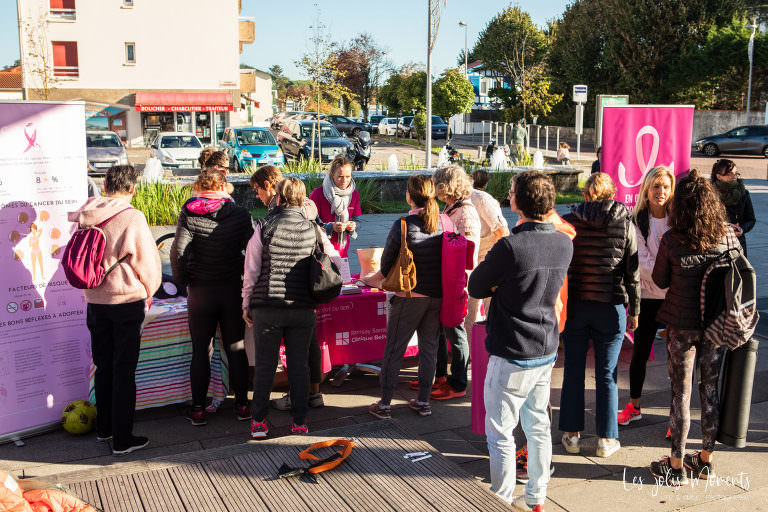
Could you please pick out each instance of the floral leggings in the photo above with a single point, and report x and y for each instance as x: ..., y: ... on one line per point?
x: 682, y: 348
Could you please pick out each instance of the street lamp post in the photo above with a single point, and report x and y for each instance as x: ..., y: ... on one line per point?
x: 750, y: 52
x: 466, y: 68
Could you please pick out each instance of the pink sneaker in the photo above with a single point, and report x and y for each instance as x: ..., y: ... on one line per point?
x: 629, y: 414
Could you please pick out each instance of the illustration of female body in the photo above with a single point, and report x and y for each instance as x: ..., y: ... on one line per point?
x: 36, y: 255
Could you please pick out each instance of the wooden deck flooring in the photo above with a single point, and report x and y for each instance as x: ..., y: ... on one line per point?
x: 242, y: 478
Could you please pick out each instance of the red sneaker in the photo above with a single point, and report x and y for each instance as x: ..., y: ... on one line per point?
x: 629, y: 414
x: 439, y: 381
x: 446, y: 393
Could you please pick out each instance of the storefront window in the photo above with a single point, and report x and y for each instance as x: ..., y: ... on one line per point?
x: 203, y: 127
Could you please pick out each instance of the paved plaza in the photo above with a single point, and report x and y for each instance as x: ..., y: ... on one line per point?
x: 580, y: 482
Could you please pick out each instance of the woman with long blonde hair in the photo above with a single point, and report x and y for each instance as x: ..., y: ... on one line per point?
x: 651, y: 220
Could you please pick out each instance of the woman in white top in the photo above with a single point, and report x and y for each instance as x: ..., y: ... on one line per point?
x: 454, y: 187
x: 651, y: 220
x: 493, y: 226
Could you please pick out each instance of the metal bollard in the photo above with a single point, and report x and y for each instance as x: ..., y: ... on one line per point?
x: 479, y: 152
x: 546, y: 138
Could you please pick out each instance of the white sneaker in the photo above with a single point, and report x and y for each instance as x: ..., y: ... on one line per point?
x: 607, y: 447
x: 571, y: 444
x: 520, y: 504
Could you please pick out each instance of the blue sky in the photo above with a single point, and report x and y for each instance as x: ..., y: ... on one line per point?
x: 399, y: 26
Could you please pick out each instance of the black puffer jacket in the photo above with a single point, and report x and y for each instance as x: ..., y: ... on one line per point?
x: 211, y: 235
x: 743, y: 214
x: 605, y: 265
x: 681, y: 269
x: 427, y: 249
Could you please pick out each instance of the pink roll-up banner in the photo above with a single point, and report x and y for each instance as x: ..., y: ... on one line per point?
x: 637, y: 138
x: 44, y: 343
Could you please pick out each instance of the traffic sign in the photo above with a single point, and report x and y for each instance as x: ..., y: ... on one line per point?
x: 579, y: 93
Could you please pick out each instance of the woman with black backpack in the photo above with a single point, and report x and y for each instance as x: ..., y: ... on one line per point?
x: 698, y: 234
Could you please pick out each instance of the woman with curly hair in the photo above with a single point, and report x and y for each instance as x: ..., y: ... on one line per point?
x: 698, y: 234
x: 738, y: 204
x: 454, y: 187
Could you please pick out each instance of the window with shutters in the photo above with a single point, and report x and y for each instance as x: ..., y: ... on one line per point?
x: 62, y: 9
x: 65, y: 59
x: 130, y: 53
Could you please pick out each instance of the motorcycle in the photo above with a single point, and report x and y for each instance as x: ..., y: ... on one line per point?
x: 453, y: 154
x: 360, y: 152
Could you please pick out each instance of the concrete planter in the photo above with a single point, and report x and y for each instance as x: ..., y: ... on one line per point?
x: 393, y: 184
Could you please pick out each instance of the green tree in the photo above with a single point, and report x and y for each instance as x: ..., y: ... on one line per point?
x: 713, y: 75
x: 389, y: 93
x: 452, y: 94
x: 420, y: 124
x: 511, y: 45
x: 412, y: 91
x: 635, y: 48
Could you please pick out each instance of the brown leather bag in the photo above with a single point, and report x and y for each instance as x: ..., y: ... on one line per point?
x: 402, y: 275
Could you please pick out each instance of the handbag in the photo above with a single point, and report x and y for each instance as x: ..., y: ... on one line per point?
x: 324, y: 276
x: 402, y: 276
x: 457, y: 258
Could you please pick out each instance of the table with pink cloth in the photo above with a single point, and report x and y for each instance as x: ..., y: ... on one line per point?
x: 353, y: 329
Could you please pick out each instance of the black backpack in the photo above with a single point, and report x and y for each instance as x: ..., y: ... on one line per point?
x: 324, y: 276
x: 729, y: 298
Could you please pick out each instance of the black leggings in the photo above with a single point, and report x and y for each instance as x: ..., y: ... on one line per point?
x: 641, y: 350
x: 315, y: 372
x: 211, y: 307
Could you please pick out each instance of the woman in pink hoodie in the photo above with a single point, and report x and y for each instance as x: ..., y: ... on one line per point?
x: 116, y: 307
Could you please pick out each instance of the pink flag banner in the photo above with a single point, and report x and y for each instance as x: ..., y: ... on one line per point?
x: 637, y: 138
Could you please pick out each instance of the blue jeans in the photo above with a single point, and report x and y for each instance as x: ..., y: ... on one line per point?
x: 605, y: 325
x: 513, y: 393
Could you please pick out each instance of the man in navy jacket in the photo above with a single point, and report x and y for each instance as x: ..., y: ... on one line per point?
x: 523, y: 273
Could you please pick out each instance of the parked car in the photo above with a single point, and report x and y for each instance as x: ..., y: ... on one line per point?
x: 251, y: 146
x: 744, y: 139
x: 404, y: 126
x: 387, y: 126
x: 347, y: 125
x: 439, y: 128
x: 176, y: 149
x: 104, y: 149
x: 296, y: 141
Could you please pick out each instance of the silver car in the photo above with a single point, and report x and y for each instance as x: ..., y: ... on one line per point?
x: 744, y: 139
x: 104, y: 149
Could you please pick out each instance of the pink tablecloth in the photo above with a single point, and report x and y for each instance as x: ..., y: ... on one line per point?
x: 479, y: 357
x: 353, y: 329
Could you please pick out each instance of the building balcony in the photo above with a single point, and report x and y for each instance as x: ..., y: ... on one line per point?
x: 66, y: 71
x: 246, y: 31
x: 62, y: 14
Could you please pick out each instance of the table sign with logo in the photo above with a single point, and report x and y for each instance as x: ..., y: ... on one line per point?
x: 44, y: 342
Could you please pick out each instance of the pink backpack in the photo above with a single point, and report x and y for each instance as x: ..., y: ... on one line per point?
x: 458, y: 255
x: 82, y: 260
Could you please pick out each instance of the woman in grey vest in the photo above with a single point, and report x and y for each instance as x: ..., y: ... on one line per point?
x: 278, y: 304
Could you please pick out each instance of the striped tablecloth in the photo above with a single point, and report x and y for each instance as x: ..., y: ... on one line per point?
x: 162, y: 374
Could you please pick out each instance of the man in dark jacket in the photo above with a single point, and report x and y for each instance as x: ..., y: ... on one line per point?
x: 523, y: 272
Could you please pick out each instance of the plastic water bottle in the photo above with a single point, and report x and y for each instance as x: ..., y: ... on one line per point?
x: 392, y: 163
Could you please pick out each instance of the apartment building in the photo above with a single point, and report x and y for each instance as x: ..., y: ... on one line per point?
x: 141, y: 66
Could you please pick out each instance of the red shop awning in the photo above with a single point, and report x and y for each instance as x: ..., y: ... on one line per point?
x: 183, y: 101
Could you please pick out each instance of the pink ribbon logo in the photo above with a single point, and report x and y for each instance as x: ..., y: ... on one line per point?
x: 31, y: 137
x: 644, y: 166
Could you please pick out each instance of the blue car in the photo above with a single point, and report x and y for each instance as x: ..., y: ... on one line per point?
x: 251, y: 146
